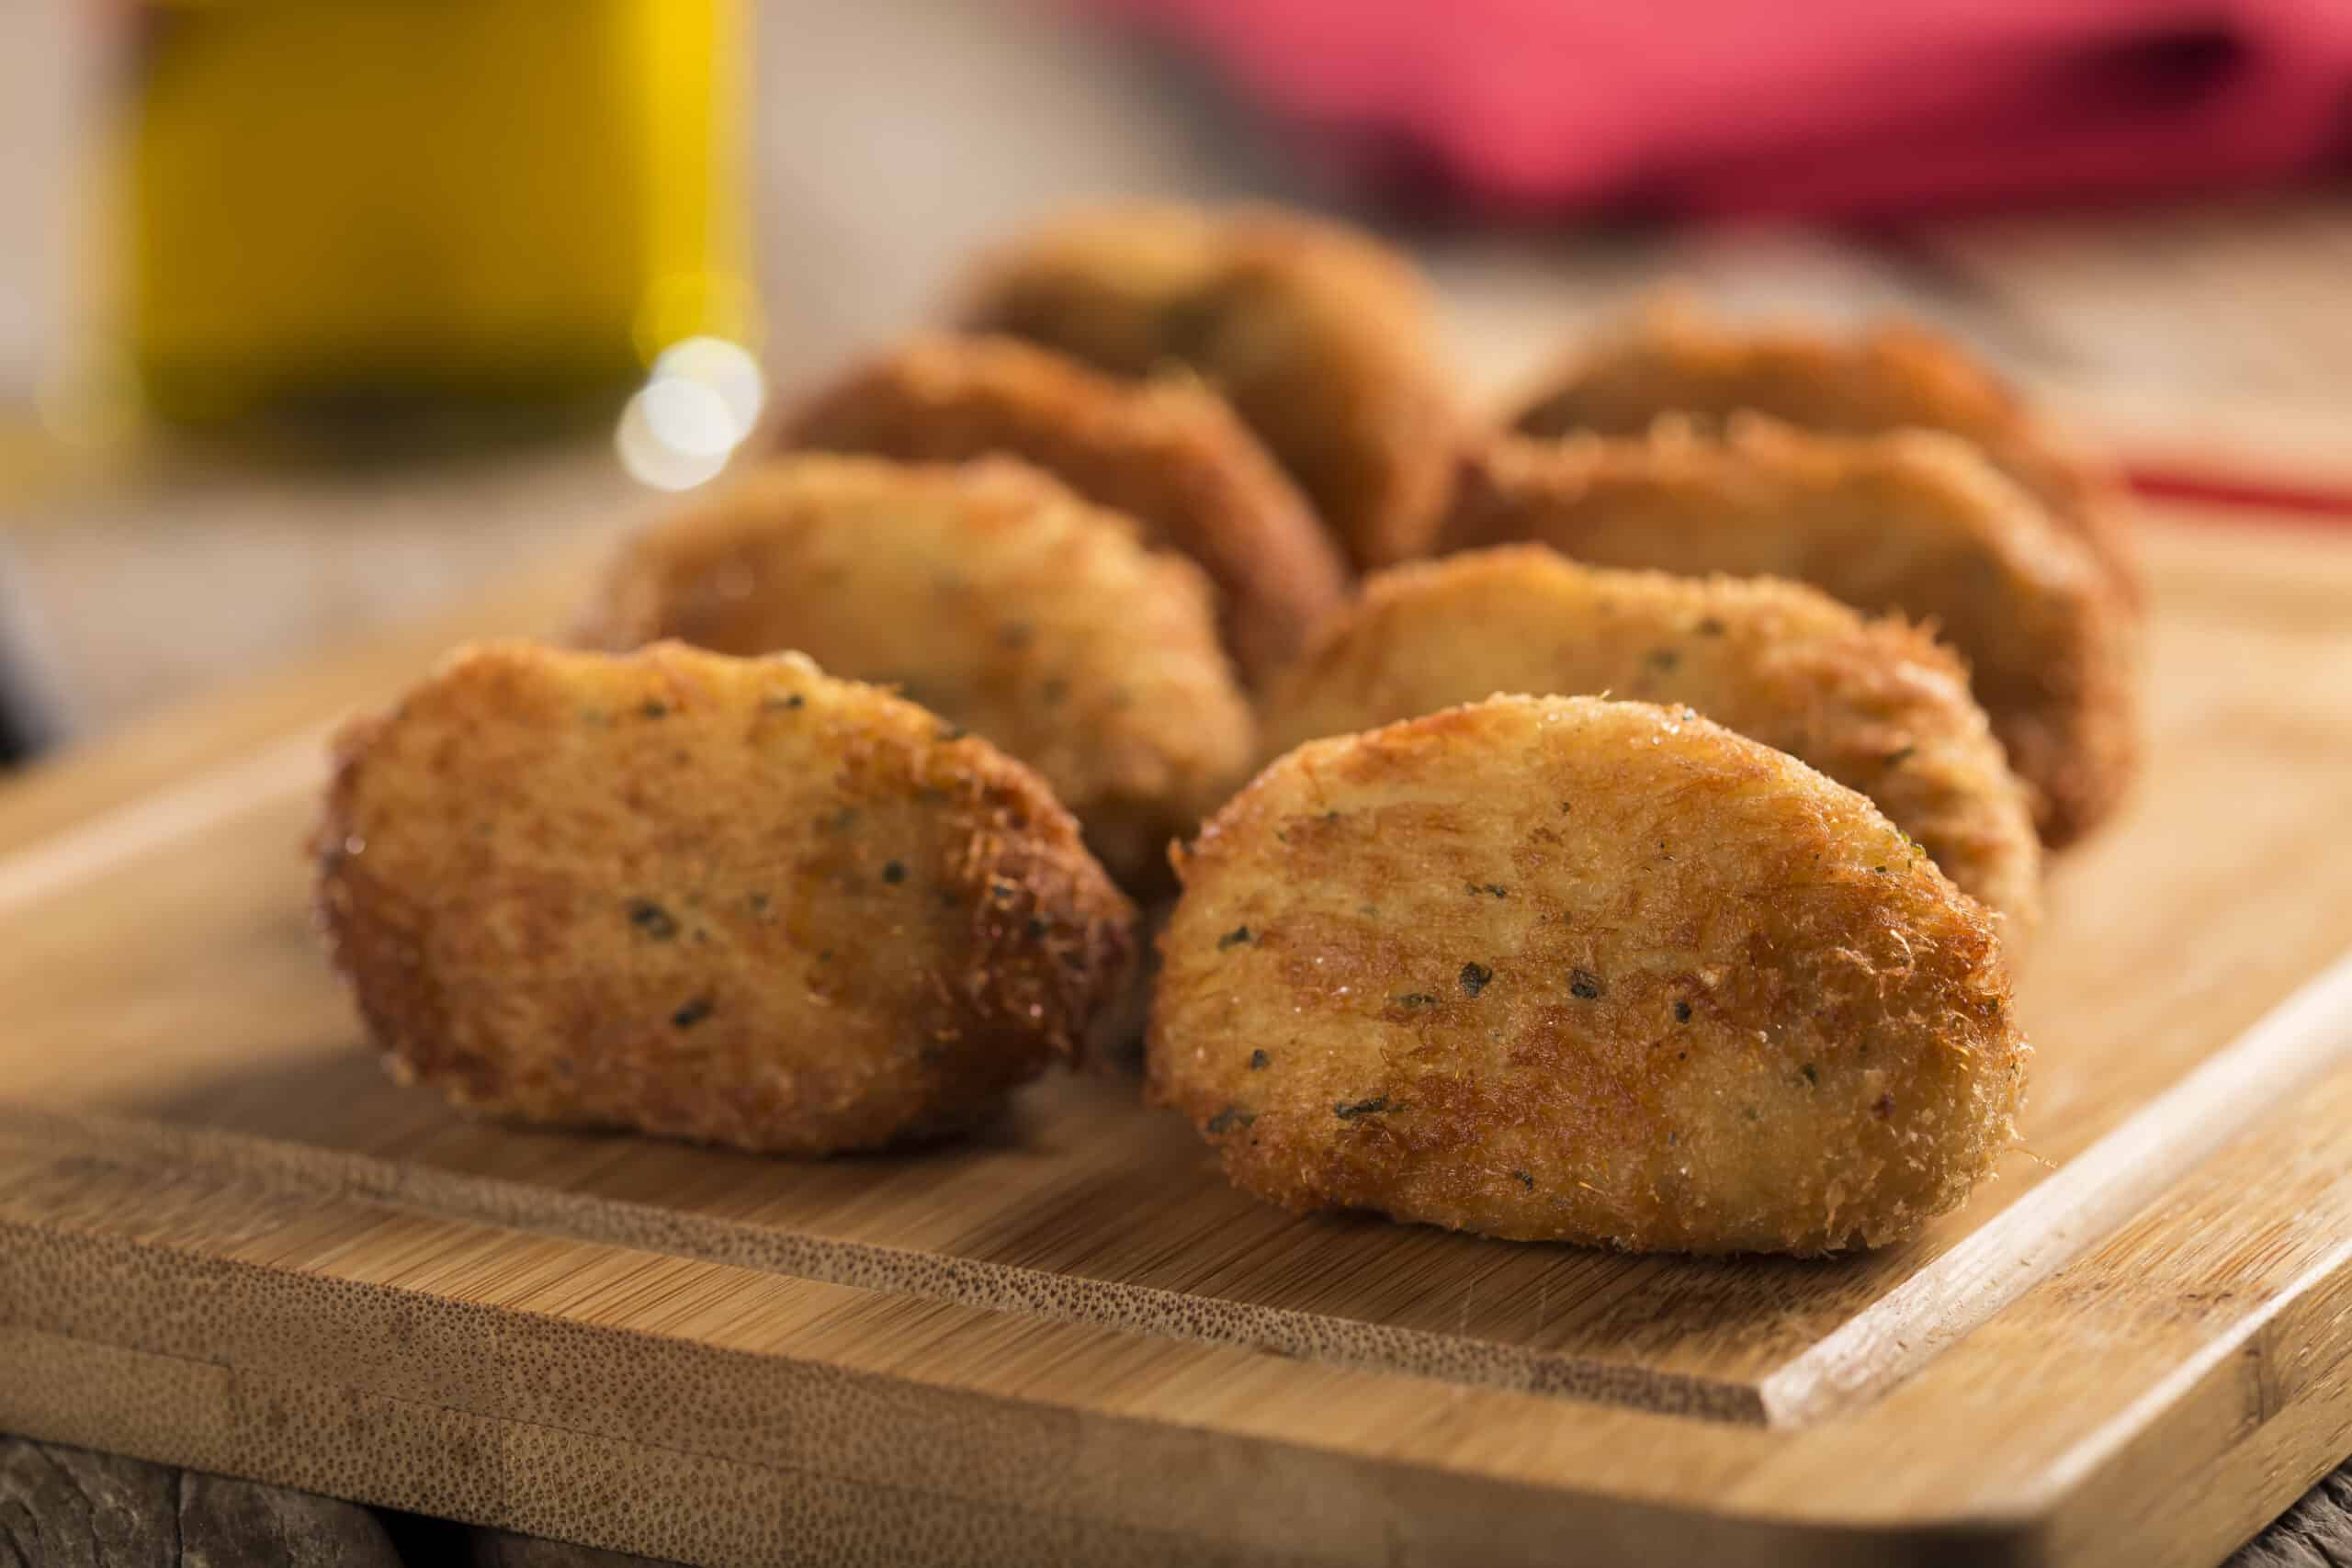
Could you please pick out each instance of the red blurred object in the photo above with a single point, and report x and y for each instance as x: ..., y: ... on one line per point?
x: 2199, y: 487
x: 1836, y: 108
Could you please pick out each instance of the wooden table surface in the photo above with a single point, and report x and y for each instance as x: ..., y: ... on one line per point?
x: 2217, y: 334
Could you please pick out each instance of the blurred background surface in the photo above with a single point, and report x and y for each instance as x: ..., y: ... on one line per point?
x: 2139, y: 209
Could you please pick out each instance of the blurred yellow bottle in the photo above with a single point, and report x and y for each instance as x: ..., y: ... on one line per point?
x: 428, y: 199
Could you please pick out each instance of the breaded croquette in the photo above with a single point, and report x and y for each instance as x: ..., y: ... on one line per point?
x: 1675, y: 358
x: 1568, y: 969
x: 1166, y: 452
x: 731, y: 900
x: 1877, y: 705
x: 1914, y: 521
x: 988, y: 593
x: 1322, y: 337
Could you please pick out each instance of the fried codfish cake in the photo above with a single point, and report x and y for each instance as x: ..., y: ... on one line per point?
x: 1914, y: 521
x: 1675, y: 359
x: 1566, y: 969
x: 1877, y: 705
x: 989, y: 593
x: 731, y: 900
x: 1166, y: 452
x: 1322, y: 337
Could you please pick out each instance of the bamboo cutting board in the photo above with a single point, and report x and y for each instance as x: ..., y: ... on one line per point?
x: 227, y: 1241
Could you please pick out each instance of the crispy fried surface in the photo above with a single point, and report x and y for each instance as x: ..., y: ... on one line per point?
x: 722, y: 899
x: 1675, y: 359
x: 1877, y: 705
x: 1166, y: 452
x: 1561, y: 969
x: 1320, y: 336
x: 1914, y: 521
x: 989, y: 593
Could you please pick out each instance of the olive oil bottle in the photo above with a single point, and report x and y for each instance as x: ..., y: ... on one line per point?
x: 381, y: 202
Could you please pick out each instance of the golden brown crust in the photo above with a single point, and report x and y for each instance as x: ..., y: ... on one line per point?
x: 1914, y: 521
x: 1562, y: 968
x: 1321, y: 336
x: 990, y: 594
x: 1167, y: 453
x: 1675, y: 359
x: 722, y: 899
x: 1877, y: 705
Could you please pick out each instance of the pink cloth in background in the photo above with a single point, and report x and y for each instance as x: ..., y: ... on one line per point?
x: 1843, y: 108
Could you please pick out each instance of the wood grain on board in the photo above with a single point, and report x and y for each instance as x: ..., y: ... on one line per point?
x: 227, y: 1241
